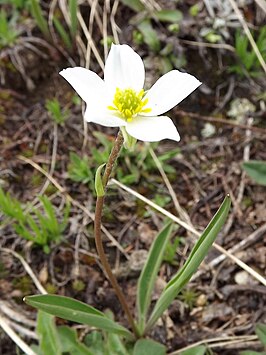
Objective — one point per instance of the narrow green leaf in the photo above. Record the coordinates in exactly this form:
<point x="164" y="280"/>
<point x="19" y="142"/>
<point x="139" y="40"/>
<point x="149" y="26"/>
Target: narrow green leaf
<point x="149" y="272"/>
<point x="98" y="181"/>
<point x="148" y="346"/>
<point x="173" y="16"/>
<point x="261" y="333"/>
<point x="48" y="337"/>
<point x="73" y="9"/>
<point x="195" y="258"/>
<point x="256" y="169"/>
<point x="76" y="311"/>
<point x="39" y="18"/>
<point x="62" y="33"/>
<point x="196" y="350"/>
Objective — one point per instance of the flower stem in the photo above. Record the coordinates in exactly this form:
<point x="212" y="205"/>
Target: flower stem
<point x="97" y="232"/>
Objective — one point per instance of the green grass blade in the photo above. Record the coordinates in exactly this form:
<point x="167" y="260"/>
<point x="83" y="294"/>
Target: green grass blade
<point x="149" y="272"/>
<point x="52" y="222"/>
<point x="62" y="33"/>
<point x="195" y="258"/>
<point x="76" y="311"/>
<point x="73" y="9"/>
<point x="41" y="21"/>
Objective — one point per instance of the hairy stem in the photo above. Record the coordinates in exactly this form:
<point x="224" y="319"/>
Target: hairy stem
<point x="97" y="232"/>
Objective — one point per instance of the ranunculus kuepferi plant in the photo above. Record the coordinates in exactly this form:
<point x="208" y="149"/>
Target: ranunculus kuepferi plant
<point x="120" y="100"/>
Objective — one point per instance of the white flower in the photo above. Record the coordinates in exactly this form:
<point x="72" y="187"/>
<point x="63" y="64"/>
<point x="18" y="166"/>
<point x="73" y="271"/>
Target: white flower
<point x="120" y="101"/>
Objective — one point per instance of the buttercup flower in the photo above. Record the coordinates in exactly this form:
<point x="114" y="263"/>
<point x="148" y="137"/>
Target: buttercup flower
<point x="120" y="101"/>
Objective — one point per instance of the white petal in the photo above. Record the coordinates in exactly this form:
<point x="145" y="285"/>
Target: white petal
<point x="124" y="68"/>
<point x="169" y="90"/>
<point x="152" y="129"/>
<point x="87" y="84"/>
<point x="103" y="117"/>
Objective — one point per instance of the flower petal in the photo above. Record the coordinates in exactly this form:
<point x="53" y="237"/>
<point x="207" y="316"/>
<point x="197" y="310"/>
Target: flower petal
<point x="87" y="84"/>
<point x="169" y="90"/>
<point x="152" y="129"/>
<point x="124" y="68"/>
<point x="102" y="117"/>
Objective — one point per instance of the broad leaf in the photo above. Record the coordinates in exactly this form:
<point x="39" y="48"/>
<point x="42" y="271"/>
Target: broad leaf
<point x="76" y="311"/>
<point x="135" y="5"/>
<point x="195" y="258"/>
<point x="148" y="346"/>
<point x="196" y="350"/>
<point x="256" y="169"/>
<point x="149" y="272"/>
<point x="173" y="16"/>
<point x="48" y="336"/>
<point x="149" y="35"/>
<point x="261" y="333"/>
<point x="70" y="343"/>
<point x="251" y="352"/>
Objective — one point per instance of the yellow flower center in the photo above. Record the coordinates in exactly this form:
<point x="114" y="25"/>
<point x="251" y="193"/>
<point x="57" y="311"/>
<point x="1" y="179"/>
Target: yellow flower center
<point x="129" y="103"/>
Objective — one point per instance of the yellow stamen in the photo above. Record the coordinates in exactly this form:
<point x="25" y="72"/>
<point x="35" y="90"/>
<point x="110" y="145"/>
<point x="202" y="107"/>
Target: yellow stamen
<point x="129" y="103"/>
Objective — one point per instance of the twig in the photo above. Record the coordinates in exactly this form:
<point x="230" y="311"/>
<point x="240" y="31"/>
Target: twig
<point x="209" y="45"/>
<point x="6" y="309"/>
<point x="27" y="269"/>
<point x="237" y="201"/>
<point x="252" y="238"/>
<point x="16" y="339"/>
<point x="239" y="262"/>
<point x="114" y="26"/>
<point x="181" y="212"/>
<point x="219" y="120"/>
<point x="53" y="159"/>
<point x="215" y="342"/>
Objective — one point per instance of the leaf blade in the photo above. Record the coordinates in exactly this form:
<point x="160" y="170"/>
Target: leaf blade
<point x="256" y="169"/>
<point x="196" y="256"/>
<point x="76" y="311"/>
<point x="149" y="273"/>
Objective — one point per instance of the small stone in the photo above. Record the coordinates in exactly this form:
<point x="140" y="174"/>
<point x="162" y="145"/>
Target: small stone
<point x="242" y="278"/>
<point x="201" y="300"/>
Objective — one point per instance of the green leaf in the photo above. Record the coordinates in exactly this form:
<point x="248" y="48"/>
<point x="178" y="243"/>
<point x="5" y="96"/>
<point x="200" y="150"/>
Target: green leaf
<point x="250" y="352"/>
<point x="150" y="35"/>
<point x="39" y="18"/>
<point x="149" y="272"/>
<point x="70" y="343"/>
<point x="135" y="5"/>
<point x="94" y="340"/>
<point x="98" y="181"/>
<point x="172" y="16"/>
<point x="148" y="346"/>
<point x="196" y="350"/>
<point x="256" y="169"/>
<point x="76" y="311"/>
<point x="115" y="345"/>
<point x="195" y="258"/>
<point x="73" y="9"/>
<point x="48" y="337"/>
<point x="261" y="333"/>
<point x="62" y="32"/>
